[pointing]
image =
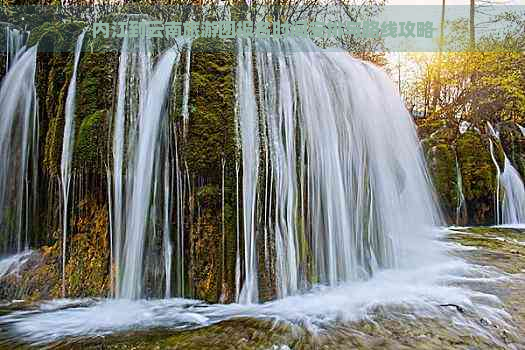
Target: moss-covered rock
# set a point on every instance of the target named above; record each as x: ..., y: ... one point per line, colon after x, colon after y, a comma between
x: 479, y: 177
x: 440, y: 152
x: 210, y: 141
x: 207, y: 245
x: 55, y: 75
x: 441, y: 160
x: 91, y: 144
x: 56, y: 36
x: 87, y: 264
x: 211, y: 131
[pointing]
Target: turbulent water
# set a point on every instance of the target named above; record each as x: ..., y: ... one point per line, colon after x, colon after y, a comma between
x: 18, y: 150
x: 415, y: 292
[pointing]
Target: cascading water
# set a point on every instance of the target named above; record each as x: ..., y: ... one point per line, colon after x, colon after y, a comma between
x: 366, y: 190
x: 18, y: 150
x: 118, y: 165
x: 67, y: 151
x: 137, y: 222
x: 248, y: 125
x: 341, y: 194
x: 167, y: 207
x: 133, y: 76
x: 15, y: 40
x: 180, y: 205
x: 513, y: 200
x: 167, y: 180
x: 513, y: 206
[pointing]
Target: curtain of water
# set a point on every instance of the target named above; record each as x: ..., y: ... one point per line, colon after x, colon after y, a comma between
x: 513, y: 206
x: 351, y: 194
x: 167, y: 206
x: 118, y: 165
x: 144, y: 170
x: 134, y: 73
x: 248, y: 125
x: 15, y: 40
x: 18, y: 144
x: 165, y: 186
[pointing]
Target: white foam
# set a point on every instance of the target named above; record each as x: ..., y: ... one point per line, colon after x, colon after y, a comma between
x: 417, y: 291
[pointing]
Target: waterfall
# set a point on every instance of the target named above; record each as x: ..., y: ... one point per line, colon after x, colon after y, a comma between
x: 237, y: 236
x: 513, y: 205
x: 137, y: 221
x: 167, y: 207
x: 179, y: 179
x: 15, y: 40
x: 167, y: 180
x: 133, y: 76
x: 248, y: 124
x: 351, y: 193
x: 118, y: 164
x: 18, y: 146
x: 513, y: 200
x: 67, y: 151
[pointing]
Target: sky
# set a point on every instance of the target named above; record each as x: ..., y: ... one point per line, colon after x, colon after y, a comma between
x: 394, y: 58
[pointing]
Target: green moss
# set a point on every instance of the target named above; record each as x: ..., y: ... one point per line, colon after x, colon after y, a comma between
x: 211, y: 133
x: 479, y: 177
x: 87, y: 264
x: 56, y: 36
x: 442, y: 166
x: 241, y: 333
x: 91, y: 144
x: 56, y: 72
x: 209, y: 141
x: 94, y: 94
x: 96, y: 82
